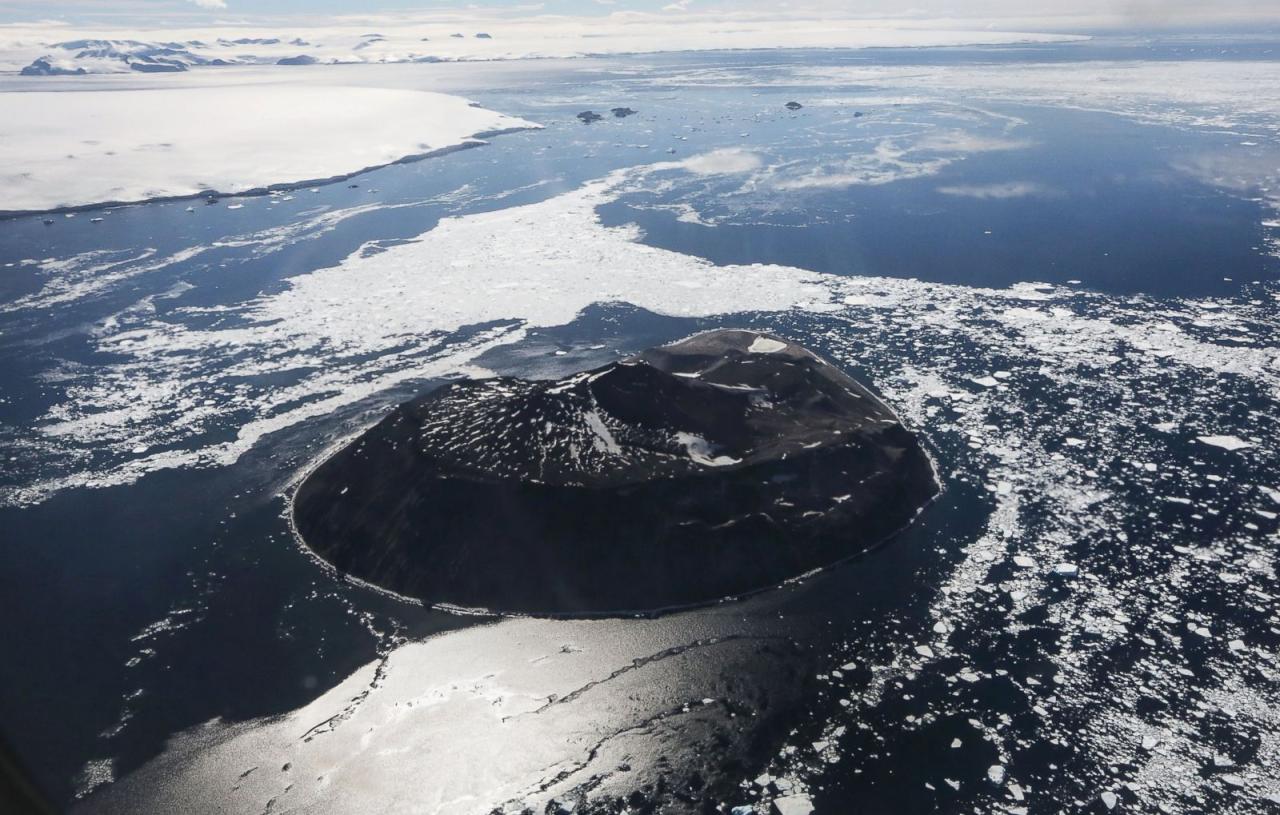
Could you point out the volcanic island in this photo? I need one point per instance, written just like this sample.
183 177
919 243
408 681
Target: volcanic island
720 465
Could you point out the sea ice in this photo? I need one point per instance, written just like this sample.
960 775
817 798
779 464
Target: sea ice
793 805
1226 442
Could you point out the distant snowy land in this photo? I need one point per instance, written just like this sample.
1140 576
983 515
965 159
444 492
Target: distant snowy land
54 49
64 149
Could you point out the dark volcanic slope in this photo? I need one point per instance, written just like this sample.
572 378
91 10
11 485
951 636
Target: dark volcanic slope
724 463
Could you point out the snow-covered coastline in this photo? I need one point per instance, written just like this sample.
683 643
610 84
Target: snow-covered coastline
70 149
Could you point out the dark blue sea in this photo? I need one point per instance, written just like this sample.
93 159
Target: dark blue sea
1070 294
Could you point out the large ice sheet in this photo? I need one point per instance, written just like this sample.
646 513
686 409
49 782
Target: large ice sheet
75 148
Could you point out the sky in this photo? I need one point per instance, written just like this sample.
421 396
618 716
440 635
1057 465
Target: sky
1040 14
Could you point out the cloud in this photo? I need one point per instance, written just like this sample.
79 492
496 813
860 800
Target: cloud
892 161
210 4
1236 170
1009 189
678 5
856 174
723 162
959 141
887 163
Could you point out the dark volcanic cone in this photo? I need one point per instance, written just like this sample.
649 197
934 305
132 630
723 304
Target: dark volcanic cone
722 464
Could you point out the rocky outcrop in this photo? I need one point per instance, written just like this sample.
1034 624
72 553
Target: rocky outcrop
45 66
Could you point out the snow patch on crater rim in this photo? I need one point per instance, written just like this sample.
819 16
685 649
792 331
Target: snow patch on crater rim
702 451
766 345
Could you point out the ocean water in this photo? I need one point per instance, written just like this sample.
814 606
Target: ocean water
1065 294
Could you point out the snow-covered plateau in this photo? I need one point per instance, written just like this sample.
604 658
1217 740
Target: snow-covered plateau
65 149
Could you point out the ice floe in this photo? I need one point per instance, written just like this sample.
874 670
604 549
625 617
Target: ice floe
1226 442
